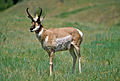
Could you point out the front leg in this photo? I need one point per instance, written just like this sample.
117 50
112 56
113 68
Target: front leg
51 62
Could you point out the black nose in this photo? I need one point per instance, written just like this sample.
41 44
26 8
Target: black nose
31 29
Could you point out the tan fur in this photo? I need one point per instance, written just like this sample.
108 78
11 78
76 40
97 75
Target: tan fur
57 39
62 32
53 34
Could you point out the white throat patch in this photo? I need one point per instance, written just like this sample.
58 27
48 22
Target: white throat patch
39 34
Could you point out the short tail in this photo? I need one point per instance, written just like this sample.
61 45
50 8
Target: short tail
81 34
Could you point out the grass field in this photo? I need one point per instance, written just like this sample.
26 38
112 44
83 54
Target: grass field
23 59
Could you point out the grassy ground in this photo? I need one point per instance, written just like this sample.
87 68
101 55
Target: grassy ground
23 59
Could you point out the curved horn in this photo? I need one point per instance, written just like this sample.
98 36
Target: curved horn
40 14
29 16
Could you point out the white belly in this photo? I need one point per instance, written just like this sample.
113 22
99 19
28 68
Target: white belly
60 44
63 43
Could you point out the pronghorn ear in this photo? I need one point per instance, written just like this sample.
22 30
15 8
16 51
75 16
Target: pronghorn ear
41 19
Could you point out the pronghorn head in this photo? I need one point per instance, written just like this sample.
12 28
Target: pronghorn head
36 22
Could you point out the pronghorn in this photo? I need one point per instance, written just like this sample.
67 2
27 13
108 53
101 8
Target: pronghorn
57 39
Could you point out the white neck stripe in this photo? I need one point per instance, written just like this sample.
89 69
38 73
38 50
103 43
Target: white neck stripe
46 39
39 34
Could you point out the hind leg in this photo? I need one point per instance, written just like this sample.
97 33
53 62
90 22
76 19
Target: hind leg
74 57
78 53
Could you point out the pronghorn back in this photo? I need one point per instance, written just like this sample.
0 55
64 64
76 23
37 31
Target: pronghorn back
77 35
59 39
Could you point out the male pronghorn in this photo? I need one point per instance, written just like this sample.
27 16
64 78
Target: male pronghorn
57 39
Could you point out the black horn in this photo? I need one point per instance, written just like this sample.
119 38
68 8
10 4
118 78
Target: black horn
40 14
29 16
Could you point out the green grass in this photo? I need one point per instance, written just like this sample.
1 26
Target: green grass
23 59
66 14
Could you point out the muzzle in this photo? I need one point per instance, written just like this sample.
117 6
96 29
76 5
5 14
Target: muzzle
34 29
31 29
